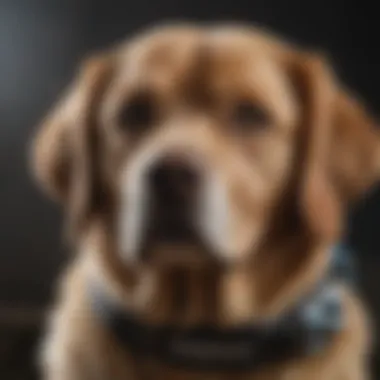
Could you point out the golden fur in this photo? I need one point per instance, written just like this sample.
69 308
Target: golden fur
289 185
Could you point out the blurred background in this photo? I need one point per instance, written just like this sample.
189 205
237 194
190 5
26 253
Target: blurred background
41 43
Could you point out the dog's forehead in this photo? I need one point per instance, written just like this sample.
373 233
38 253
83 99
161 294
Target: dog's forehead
247 62
175 49
163 53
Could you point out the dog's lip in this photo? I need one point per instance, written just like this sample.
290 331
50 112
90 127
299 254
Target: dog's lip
171 231
177 255
173 241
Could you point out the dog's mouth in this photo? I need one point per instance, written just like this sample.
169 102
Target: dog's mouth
171 232
175 211
171 235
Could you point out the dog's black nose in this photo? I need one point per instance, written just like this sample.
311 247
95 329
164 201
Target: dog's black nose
173 180
173 185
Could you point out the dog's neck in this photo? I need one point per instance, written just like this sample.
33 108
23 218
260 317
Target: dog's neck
235 295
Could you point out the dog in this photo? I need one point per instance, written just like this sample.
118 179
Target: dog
205 172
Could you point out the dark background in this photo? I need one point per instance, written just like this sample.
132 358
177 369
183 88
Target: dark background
41 43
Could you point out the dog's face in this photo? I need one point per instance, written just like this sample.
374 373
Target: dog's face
203 131
192 144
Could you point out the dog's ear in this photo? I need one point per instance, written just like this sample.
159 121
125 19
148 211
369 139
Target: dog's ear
338 143
63 150
336 161
355 149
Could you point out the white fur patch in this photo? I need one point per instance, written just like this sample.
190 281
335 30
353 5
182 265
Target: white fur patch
213 215
134 205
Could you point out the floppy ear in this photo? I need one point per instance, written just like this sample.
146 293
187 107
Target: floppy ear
355 150
336 160
63 151
339 144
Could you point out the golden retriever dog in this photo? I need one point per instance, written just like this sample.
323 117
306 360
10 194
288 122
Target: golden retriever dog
205 172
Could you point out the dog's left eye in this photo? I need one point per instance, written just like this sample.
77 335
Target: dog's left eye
249 116
138 113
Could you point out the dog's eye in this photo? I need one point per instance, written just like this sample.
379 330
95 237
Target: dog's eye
138 113
248 116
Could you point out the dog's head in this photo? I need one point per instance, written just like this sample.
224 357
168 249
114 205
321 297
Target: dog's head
206 144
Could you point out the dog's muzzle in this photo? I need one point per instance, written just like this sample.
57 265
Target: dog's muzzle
170 198
174 186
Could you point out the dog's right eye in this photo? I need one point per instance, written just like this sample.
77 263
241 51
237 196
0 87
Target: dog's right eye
138 113
249 116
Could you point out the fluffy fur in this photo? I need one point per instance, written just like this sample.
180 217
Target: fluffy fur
271 207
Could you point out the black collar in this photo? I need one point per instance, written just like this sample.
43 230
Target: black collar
305 330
